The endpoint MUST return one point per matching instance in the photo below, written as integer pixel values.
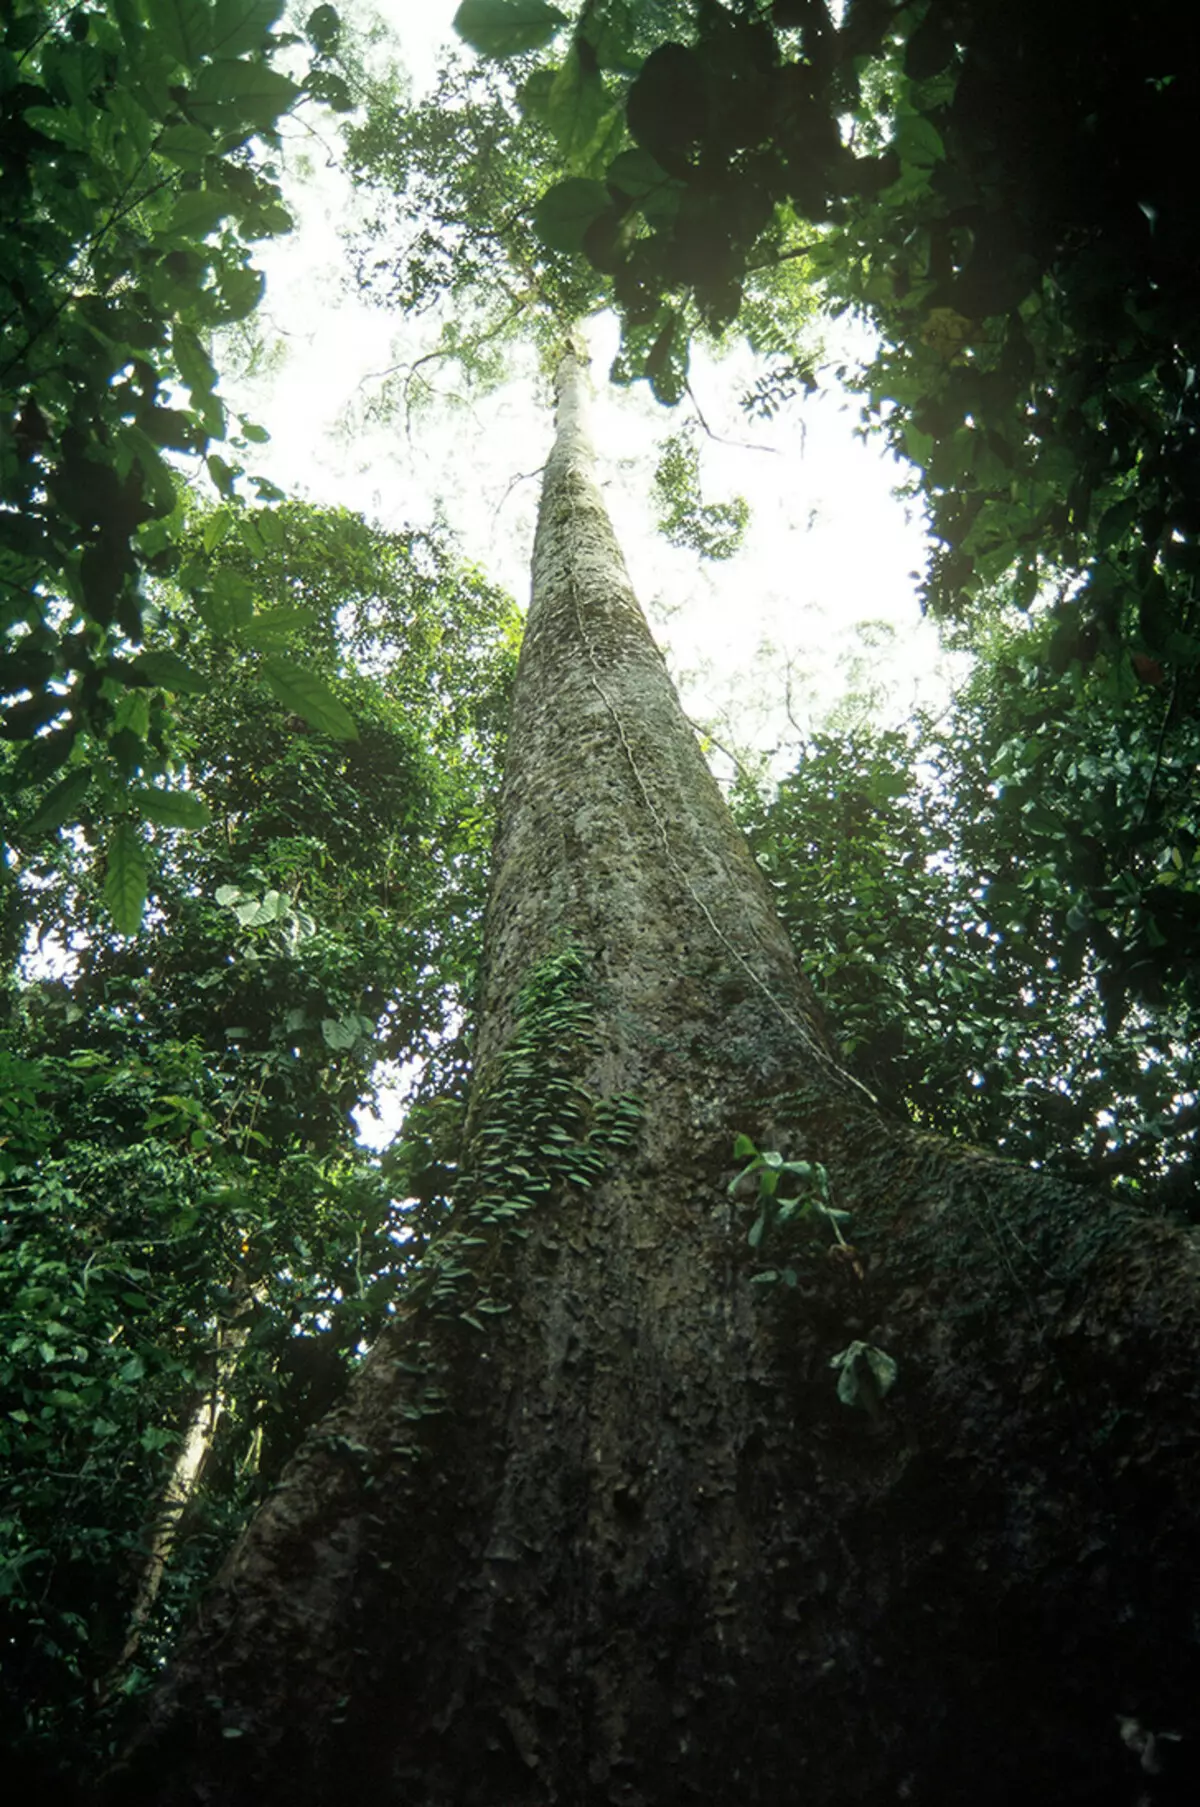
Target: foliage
(179, 1156)
(463, 176)
(449, 188)
(536, 1130)
(139, 168)
(679, 164)
(792, 1201)
(714, 530)
(936, 906)
(139, 1225)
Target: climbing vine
(541, 1131)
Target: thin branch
(740, 445)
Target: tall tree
(821, 1481)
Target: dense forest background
(250, 744)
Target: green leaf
(328, 86)
(62, 803)
(185, 145)
(241, 25)
(232, 93)
(171, 809)
(609, 28)
(575, 105)
(132, 714)
(564, 213)
(323, 28)
(216, 527)
(743, 1148)
(1116, 522)
(308, 695)
(222, 473)
(196, 368)
(241, 289)
(667, 361)
(340, 1032)
(918, 141)
(125, 878)
(184, 27)
(169, 672)
(228, 605)
(506, 27)
(867, 1374)
(276, 628)
(636, 176)
(196, 213)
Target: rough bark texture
(627, 1546)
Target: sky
(822, 596)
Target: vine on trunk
(541, 1130)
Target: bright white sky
(828, 549)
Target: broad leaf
(62, 803)
(185, 27)
(241, 25)
(507, 27)
(575, 106)
(171, 809)
(196, 213)
(125, 878)
(276, 628)
(232, 94)
(169, 672)
(192, 361)
(919, 141)
(323, 28)
(564, 213)
(307, 695)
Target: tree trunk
(625, 1543)
(187, 1471)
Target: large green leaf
(62, 802)
(241, 25)
(575, 105)
(323, 28)
(564, 212)
(196, 213)
(302, 691)
(507, 27)
(637, 176)
(192, 360)
(125, 877)
(231, 93)
(185, 27)
(170, 672)
(275, 628)
(171, 809)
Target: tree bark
(187, 1471)
(628, 1545)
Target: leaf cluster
(138, 151)
(714, 530)
(989, 959)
